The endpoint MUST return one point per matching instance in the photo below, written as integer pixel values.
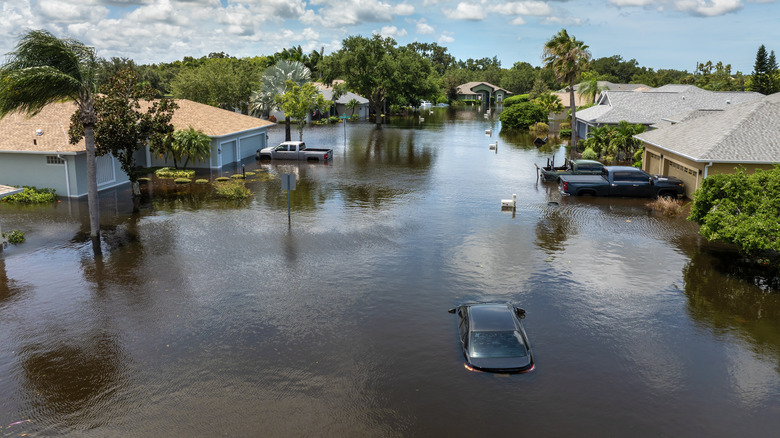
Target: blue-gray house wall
(224, 150)
(68, 178)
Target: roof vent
(728, 102)
(39, 132)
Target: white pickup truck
(294, 150)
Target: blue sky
(657, 33)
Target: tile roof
(649, 107)
(743, 133)
(17, 131)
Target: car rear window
(497, 344)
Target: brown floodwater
(208, 317)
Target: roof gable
(746, 133)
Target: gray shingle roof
(742, 133)
(649, 107)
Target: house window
(687, 170)
(53, 159)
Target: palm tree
(599, 139)
(550, 103)
(589, 87)
(273, 83)
(623, 140)
(193, 143)
(567, 57)
(351, 105)
(45, 69)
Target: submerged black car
(493, 338)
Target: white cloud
(350, 12)
(708, 8)
(702, 8)
(423, 28)
(391, 31)
(446, 37)
(70, 12)
(466, 11)
(404, 9)
(534, 8)
(518, 21)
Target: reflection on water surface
(208, 317)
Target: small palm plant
(192, 144)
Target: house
(339, 107)
(482, 91)
(655, 105)
(35, 151)
(706, 142)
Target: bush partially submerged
(232, 189)
(667, 206)
(15, 237)
(167, 172)
(32, 195)
(182, 180)
(201, 181)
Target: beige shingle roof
(17, 131)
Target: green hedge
(32, 195)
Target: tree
(220, 81)
(761, 78)
(274, 83)
(192, 144)
(599, 139)
(45, 69)
(550, 103)
(351, 105)
(299, 101)
(740, 209)
(567, 57)
(622, 139)
(589, 88)
(522, 115)
(122, 127)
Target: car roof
(491, 317)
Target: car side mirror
(451, 310)
(652, 181)
(520, 312)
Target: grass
(232, 189)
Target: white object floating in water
(509, 204)
(492, 146)
(430, 112)
(487, 132)
(486, 115)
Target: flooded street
(208, 317)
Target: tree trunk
(92, 191)
(136, 196)
(573, 117)
(287, 136)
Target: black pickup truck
(621, 181)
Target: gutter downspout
(67, 175)
(706, 172)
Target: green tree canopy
(567, 57)
(299, 101)
(741, 209)
(521, 116)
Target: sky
(657, 33)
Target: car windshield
(497, 344)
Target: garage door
(686, 174)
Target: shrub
(232, 189)
(201, 181)
(182, 180)
(565, 132)
(333, 119)
(222, 178)
(522, 115)
(237, 176)
(355, 117)
(32, 195)
(167, 172)
(540, 129)
(590, 154)
(15, 237)
(513, 100)
(249, 173)
(667, 206)
(144, 180)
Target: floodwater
(206, 317)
